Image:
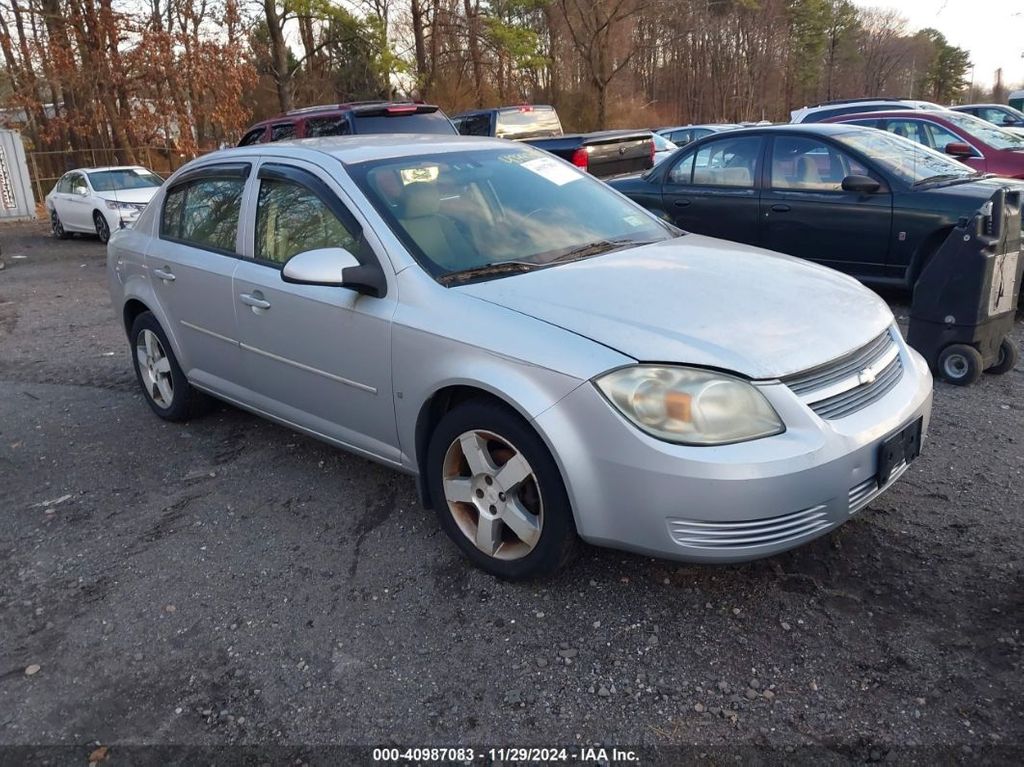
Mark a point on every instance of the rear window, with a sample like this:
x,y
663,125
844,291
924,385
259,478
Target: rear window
x,y
327,126
415,122
528,122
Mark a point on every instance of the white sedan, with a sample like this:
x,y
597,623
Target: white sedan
x,y
99,200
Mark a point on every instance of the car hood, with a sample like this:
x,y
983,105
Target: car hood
x,y
130,195
701,301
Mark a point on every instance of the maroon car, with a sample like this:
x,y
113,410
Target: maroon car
x,y
352,118
981,145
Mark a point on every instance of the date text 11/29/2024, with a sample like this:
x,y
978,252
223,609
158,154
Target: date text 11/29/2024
x,y
530,754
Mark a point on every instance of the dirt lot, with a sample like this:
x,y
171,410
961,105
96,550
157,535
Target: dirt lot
x,y
229,581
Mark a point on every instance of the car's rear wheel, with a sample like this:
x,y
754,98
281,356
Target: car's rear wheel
x,y
102,227
57,227
163,383
498,493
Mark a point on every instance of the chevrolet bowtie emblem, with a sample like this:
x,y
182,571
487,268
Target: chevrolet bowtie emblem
x,y
866,376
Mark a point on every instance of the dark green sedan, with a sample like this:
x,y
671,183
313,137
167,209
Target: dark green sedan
x,y
860,200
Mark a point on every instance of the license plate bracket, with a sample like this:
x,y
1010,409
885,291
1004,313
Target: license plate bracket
x,y
903,446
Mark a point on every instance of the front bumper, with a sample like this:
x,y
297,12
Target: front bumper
x,y
734,502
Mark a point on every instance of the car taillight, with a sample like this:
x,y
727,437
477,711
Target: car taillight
x,y
400,110
581,159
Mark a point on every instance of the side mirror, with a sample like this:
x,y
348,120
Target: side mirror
x,y
334,267
81,191
861,184
959,149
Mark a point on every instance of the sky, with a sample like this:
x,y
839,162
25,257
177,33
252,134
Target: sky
x,y
991,30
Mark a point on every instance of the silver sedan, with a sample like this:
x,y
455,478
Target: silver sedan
x,y
549,359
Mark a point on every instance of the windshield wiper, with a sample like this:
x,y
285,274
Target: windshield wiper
x,y
946,177
595,248
488,270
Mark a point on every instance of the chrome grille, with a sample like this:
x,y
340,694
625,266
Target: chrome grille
x,y
751,533
851,382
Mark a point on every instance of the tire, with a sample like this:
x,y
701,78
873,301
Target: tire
x,y
167,391
1009,355
57,228
525,527
960,364
102,227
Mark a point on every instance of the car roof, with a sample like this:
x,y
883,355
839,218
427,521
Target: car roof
x,y
360,148
813,129
920,114
959,107
321,110
107,167
710,126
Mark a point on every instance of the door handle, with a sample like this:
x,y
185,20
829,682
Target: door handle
x,y
254,299
681,203
780,208
165,274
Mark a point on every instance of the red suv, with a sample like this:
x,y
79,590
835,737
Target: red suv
x,y
352,118
985,147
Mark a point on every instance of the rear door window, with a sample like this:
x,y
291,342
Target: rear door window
x,y
204,213
282,131
731,162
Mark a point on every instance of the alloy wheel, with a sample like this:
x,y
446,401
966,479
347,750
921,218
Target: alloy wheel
x,y
102,228
493,494
154,368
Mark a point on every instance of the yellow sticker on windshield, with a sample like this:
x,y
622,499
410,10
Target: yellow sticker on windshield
x,y
426,173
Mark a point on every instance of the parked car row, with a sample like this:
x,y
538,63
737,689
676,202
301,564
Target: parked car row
x,y
859,200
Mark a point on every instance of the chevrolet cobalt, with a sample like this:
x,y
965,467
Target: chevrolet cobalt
x,y
549,359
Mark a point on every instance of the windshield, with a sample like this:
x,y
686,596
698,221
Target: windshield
x,y
993,135
123,178
907,160
459,211
527,122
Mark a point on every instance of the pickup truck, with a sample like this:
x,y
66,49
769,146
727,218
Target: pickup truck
x,y
603,153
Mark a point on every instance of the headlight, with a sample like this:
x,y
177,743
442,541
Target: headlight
x,y
126,206
690,406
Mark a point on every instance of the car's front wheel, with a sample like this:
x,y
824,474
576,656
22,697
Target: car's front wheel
x,y
163,383
498,493
102,227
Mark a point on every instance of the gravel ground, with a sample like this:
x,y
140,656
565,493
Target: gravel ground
x,y
232,582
